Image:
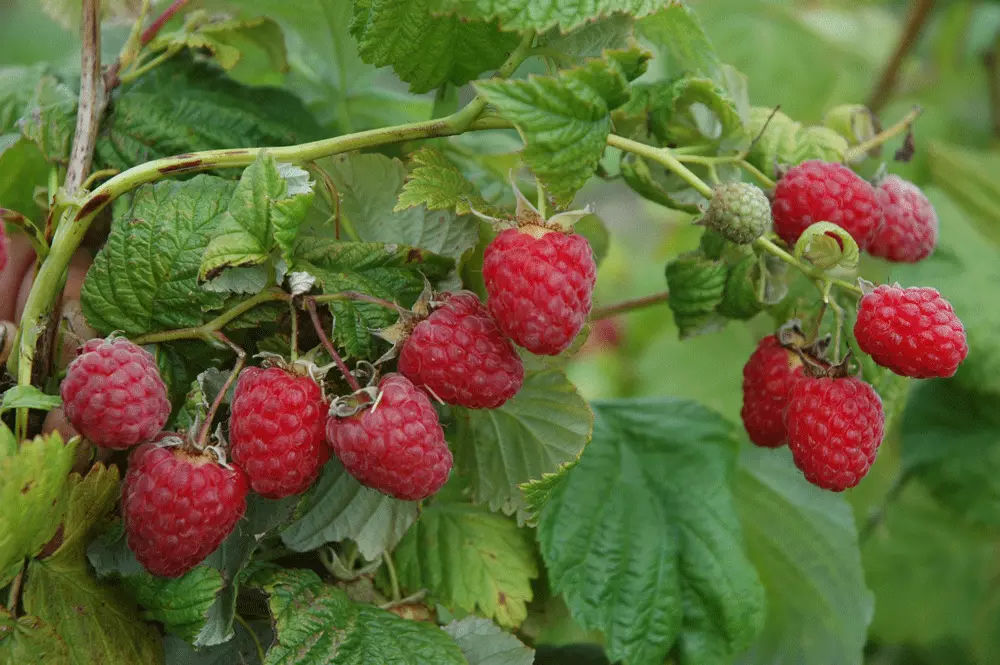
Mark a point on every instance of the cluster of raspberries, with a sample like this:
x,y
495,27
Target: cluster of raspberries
x,y
834,423
180,502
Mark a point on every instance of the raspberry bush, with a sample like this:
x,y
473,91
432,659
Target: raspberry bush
x,y
336,332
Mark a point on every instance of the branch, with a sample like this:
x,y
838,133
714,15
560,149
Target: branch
x,y
88,117
629,306
919,11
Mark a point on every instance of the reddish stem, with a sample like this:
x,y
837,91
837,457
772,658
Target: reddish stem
x,y
241,357
628,306
150,33
328,345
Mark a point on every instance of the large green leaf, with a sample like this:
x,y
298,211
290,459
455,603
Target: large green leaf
x,y
261,220
338,508
183,106
33,495
30,641
544,14
226,40
564,119
22,169
385,270
684,46
782,141
804,545
372,192
424,49
101,624
484,643
547,424
469,559
145,277
317,623
643,540
17,85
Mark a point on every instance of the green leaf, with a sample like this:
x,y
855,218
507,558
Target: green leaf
x,y
17,86
225,40
804,545
145,278
969,178
33,494
696,285
49,119
543,14
591,39
22,170
684,46
469,559
372,190
564,119
240,649
643,541
740,297
827,246
544,426
183,106
427,50
538,492
338,508
30,641
28,397
964,268
694,111
100,624
180,604
785,141
436,182
655,183
263,217
317,623
951,439
483,643
390,271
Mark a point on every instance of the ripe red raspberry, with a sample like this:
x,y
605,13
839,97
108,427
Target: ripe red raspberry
x,y
835,426
817,191
914,332
113,394
396,446
540,285
909,230
459,353
276,430
178,506
768,377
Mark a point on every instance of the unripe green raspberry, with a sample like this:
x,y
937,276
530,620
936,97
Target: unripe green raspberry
x,y
739,212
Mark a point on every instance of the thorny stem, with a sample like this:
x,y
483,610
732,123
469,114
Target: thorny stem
x,y
328,345
887,82
88,116
253,636
241,356
859,151
629,306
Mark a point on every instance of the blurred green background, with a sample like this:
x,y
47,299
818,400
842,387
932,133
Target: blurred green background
x,y
929,512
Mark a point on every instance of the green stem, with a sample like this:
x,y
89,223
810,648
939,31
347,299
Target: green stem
x,y
150,65
253,636
207,330
464,117
294,342
762,178
390,568
859,151
767,245
665,157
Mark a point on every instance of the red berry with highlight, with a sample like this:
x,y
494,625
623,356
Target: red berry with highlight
x,y
113,394
817,191
276,428
540,286
396,446
178,506
909,230
835,427
768,378
914,332
460,355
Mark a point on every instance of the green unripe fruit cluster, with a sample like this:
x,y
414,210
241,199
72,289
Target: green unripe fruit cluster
x,y
739,212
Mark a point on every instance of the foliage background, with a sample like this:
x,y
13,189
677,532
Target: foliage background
x,y
931,544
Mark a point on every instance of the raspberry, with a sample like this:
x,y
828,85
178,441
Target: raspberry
x,y
910,228
738,212
397,446
834,427
178,506
914,332
817,191
460,355
276,430
539,284
113,394
768,377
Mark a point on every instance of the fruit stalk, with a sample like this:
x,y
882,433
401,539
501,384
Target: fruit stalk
x,y
325,341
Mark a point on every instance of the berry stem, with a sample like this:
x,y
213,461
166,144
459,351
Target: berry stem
x,y
665,157
294,341
253,636
328,345
765,244
241,356
858,152
629,306
390,568
363,297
